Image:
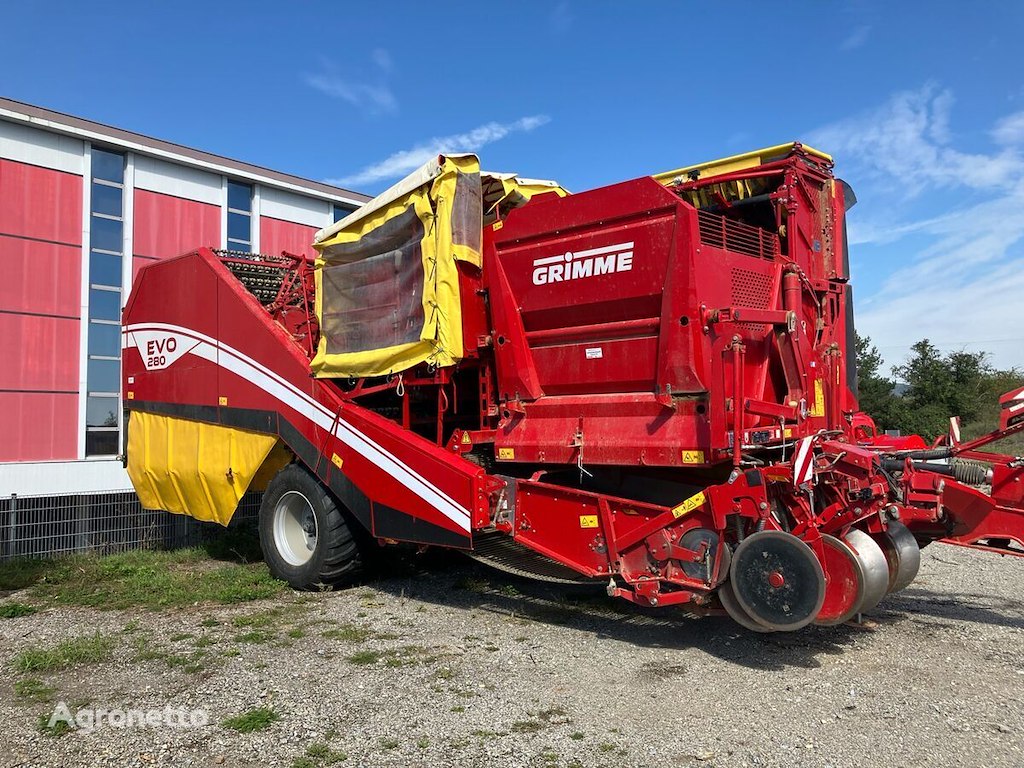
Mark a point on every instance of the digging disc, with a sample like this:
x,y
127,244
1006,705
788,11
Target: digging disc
x,y
902,554
778,580
728,599
693,539
844,586
876,568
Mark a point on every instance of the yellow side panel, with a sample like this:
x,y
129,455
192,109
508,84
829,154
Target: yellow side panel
x,y
195,469
736,162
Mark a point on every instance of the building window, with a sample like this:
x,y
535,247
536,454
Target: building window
x,y
106,251
239,217
340,212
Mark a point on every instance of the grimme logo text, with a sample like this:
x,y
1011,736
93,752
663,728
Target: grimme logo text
x,y
588,263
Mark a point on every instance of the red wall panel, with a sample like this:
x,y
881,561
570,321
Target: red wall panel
x,y
38,427
170,226
44,278
39,353
40,203
277,236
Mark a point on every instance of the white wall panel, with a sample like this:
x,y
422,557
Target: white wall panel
x,y
177,180
35,146
288,206
56,478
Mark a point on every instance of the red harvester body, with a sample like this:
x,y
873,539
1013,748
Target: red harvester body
x,y
656,390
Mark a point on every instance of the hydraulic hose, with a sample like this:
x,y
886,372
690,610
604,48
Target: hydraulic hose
x,y
966,472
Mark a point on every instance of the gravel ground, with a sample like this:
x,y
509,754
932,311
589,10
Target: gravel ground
x,y
457,665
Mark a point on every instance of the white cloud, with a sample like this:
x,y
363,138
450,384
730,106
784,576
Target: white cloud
x,y
856,38
1009,130
372,93
404,161
956,275
979,315
907,142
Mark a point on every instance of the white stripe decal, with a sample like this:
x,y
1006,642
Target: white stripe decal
x,y
803,462
280,389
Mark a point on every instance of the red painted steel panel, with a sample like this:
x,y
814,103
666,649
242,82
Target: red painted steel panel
x,y
40,203
39,353
138,263
277,235
170,226
38,426
40,277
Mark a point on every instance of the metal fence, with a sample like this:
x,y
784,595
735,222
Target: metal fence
x,y
48,526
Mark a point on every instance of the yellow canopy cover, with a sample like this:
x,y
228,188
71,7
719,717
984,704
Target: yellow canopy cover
x,y
387,284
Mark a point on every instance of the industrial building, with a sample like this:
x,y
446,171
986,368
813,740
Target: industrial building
x,y
82,207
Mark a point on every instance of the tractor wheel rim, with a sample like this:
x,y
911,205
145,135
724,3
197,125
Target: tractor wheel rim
x,y
295,528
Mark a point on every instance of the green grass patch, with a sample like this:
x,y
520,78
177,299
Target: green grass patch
x,y
91,649
256,637
33,689
350,633
321,754
191,663
16,610
146,579
362,658
253,720
59,728
389,743
526,726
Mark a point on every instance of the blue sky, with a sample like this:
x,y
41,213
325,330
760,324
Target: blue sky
x,y
922,104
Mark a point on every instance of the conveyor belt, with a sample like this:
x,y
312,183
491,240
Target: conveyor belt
x,y
500,551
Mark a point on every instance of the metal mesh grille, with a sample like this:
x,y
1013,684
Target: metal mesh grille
x,y
720,232
47,526
751,289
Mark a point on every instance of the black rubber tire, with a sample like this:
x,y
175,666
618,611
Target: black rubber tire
x,y
336,557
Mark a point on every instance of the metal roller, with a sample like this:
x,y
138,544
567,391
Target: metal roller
x,y
876,567
727,597
778,580
705,570
902,554
845,583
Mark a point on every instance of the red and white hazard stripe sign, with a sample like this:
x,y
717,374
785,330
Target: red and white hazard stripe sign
x,y
803,462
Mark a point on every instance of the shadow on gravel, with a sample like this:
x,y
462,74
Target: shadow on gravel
x,y
459,584
976,608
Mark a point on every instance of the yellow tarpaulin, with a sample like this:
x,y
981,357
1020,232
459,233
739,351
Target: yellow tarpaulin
x,y
387,284
196,469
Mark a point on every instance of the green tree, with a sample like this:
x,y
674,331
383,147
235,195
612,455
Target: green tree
x,y
940,386
875,391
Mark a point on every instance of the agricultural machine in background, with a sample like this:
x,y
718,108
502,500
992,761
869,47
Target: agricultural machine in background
x,y
650,385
